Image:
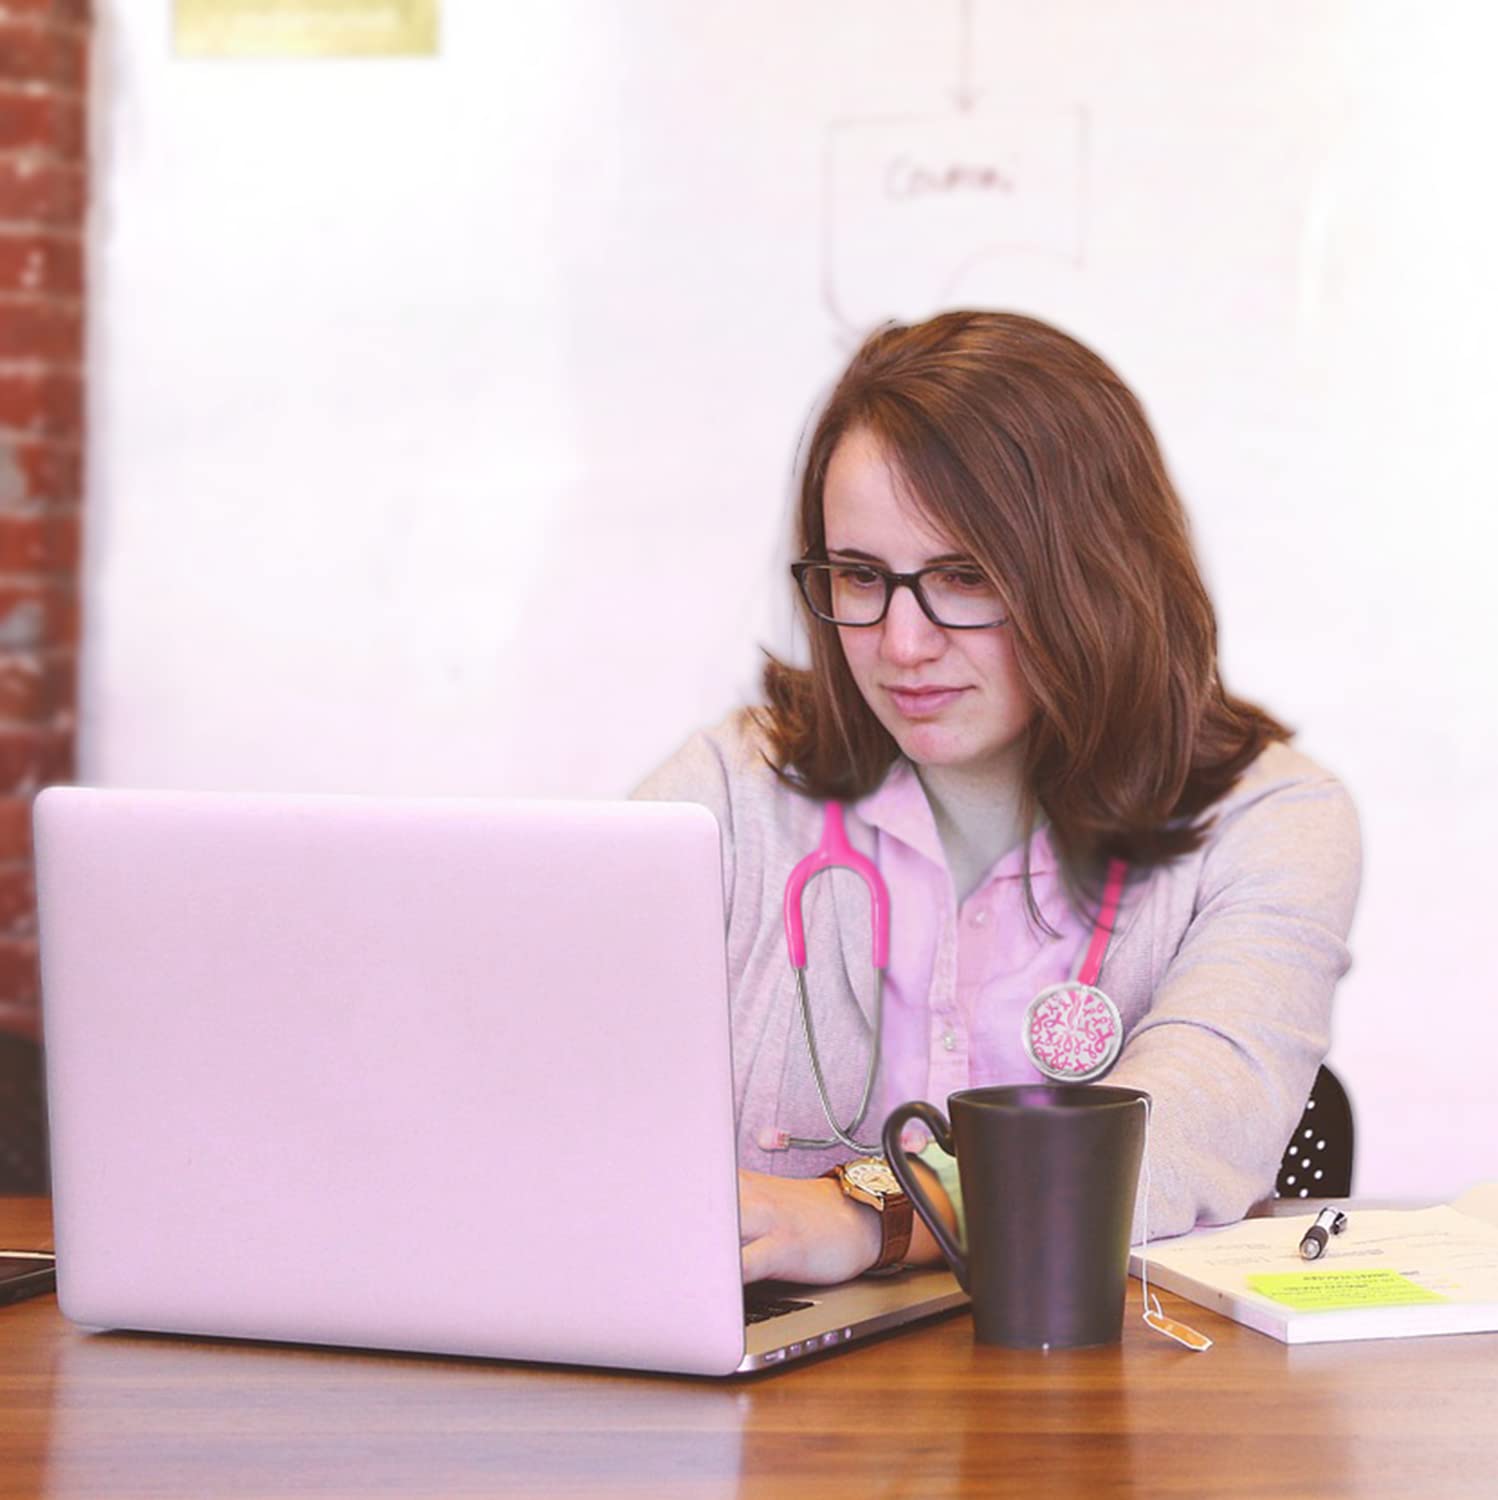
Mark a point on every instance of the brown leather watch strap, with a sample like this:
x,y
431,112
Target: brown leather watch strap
x,y
896,1219
896,1223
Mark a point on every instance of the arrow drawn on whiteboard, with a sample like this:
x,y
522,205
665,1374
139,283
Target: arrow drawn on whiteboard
x,y
846,335
966,96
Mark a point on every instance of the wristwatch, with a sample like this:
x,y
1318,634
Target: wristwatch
x,y
868,1179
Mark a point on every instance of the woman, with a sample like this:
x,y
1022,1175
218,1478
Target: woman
x,y
1013,682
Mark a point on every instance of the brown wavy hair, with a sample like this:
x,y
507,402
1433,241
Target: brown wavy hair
x,y
1025,448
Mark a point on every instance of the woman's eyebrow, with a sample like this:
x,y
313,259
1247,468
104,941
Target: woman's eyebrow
x,y
931,562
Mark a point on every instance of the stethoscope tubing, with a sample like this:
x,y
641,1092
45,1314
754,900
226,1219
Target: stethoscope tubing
x,y
834,851
842,1135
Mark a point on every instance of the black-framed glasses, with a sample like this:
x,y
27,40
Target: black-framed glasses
x,y
955,596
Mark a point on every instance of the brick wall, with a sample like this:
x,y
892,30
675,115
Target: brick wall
x,y
43,64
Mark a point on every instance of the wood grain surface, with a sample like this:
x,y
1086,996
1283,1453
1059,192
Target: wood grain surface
x,y
924,1413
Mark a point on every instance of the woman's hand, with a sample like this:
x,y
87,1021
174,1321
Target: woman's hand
x,y
804,1229
809,1229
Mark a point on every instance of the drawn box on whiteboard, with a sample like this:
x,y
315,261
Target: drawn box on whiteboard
x,y
306,28
914,206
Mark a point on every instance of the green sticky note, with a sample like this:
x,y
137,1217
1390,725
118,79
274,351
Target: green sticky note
x,y
1327,1291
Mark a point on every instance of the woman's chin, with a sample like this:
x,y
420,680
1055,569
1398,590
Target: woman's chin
x,y
933,745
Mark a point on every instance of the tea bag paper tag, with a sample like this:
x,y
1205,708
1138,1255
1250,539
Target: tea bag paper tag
x,y
1180,1332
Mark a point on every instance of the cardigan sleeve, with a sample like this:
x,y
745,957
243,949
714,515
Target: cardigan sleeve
x,y
1241,1018
698,772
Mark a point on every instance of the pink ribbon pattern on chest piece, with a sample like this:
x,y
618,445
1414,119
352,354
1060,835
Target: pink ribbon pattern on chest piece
x,y
1073,1031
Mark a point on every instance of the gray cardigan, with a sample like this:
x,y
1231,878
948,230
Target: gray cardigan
x,y
1222,965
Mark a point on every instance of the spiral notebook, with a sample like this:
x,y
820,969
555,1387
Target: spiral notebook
x,y
1393,1273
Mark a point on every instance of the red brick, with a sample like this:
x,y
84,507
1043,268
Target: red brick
x,y
37,190
22,687
15,831
20,1019
18,889
34,471
32,758
37,613
46,121
41,264
43,187
37,687
26,120
42,403
31,51
23,925
18,970
23,616
42,330
39,542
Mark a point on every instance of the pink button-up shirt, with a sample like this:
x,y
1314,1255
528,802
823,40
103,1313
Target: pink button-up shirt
x,y
960,977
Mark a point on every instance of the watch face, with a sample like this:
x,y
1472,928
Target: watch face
x,y
873,1176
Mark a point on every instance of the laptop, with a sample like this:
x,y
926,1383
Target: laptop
x,y
439,1075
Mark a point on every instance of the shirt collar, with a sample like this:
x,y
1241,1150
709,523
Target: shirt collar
x,y
898,807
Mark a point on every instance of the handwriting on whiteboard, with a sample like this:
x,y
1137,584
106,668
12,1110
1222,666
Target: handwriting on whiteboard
x,y
907,179
917,209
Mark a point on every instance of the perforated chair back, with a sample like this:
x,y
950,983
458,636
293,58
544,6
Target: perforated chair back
x,y
23,1117
1318,1160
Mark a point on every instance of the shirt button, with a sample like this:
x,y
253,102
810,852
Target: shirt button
x,y
980,917
949,1039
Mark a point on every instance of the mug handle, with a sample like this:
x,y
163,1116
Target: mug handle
x,y
894,1153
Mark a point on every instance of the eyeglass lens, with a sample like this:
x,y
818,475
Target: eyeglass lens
x,y
851,594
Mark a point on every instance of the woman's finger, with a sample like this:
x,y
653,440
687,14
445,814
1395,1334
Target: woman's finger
x,y
756,1214
759,1258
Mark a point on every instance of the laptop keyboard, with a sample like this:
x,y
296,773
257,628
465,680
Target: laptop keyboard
x,y
761,1306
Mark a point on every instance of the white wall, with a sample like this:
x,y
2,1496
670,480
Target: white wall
x,y
444,410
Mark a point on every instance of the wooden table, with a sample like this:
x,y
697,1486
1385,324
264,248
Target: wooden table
x,y
924,1413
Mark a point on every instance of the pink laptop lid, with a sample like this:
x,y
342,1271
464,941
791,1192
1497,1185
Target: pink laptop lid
x,y
449,1076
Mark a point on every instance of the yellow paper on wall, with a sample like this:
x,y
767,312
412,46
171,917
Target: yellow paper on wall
x,y
1328,1291
306,28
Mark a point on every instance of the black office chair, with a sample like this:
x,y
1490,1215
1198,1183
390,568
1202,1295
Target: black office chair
x,y
23,1117
1318,1160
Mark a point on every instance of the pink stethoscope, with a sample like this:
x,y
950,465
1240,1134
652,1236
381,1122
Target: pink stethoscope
x,y
1072,1032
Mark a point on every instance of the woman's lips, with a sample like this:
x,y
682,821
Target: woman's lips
x,y
923,703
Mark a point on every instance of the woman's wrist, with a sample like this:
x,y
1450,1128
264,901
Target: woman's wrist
x,y
865,1234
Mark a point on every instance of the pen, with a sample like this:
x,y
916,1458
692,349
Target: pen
x,y
1329,1221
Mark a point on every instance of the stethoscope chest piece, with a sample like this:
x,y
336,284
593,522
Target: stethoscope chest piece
x,y
1072,1032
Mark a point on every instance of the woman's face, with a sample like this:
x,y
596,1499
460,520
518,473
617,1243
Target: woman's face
x,y
949,697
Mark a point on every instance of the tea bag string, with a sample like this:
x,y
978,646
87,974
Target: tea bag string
x,y
1172,1328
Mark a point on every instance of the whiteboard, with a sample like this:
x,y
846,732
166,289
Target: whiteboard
x,y
444,411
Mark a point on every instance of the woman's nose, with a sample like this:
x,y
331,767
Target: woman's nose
x,y
907,634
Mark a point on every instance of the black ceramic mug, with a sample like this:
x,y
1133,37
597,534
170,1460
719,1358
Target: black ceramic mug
x,y
1048,1173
